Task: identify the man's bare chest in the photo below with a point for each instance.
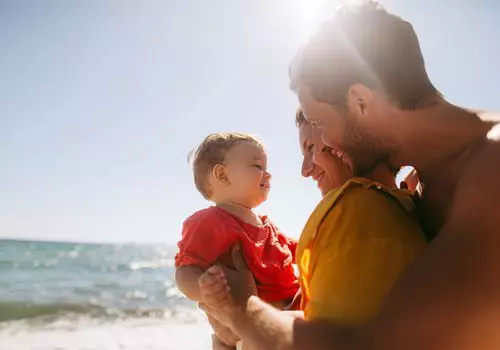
(438, 193)
(433, 208)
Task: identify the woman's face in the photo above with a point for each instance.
(318, 161)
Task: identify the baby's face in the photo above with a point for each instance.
(249, 180)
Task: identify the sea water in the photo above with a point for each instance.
(58, 296)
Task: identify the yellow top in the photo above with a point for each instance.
(353, 248)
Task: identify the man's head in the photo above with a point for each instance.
(232, 167)
(354, 74)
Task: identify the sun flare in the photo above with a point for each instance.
(310, 13)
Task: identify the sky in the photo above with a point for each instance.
(101, 102)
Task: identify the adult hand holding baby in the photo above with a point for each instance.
(226, 291)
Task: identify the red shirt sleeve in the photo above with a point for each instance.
(206, 236)
(289, 242)
(292, 244)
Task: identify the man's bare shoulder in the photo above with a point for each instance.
(485, 156)
(477, 198)
(486, 116)
(494, 133)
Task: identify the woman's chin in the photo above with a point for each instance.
(325, 189)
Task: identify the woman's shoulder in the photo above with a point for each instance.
(363, 208)
(356, 198)
(367, 193)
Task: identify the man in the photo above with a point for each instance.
(362, 80)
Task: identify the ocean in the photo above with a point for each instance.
(68, 296)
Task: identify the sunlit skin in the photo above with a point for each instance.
(242, 182)
(343, 130)
(331, 168)
(319, 162)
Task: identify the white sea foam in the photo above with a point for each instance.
(90, 334)
(151, 264)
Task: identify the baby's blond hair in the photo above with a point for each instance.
(212, 151)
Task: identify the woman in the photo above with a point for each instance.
(357, 241)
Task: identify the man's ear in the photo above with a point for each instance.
(220, 175)
(360, 99)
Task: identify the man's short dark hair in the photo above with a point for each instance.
(365, 44)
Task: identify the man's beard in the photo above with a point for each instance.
(365, 152)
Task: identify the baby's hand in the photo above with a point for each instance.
(214, 289)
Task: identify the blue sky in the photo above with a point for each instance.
(101, 101)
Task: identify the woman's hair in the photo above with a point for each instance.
(300, 118)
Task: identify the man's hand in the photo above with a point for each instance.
(225, 291)
(218, 345)
(223, 334)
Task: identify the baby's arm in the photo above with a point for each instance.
(187, 277)
(206, 236)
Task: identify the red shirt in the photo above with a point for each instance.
(209, 234)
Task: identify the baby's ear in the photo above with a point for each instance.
(219, 174)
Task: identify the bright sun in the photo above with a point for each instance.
(309, 13)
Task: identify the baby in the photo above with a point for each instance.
(230, 170)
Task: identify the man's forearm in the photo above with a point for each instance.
(263, 327)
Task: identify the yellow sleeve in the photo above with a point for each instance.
(362, 246)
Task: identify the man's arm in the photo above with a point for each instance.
(187, 277)
(448, 299)
(263, 327)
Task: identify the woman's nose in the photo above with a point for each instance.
(307, 165)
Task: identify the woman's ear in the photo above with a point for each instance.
(220, 175)
(360, 100)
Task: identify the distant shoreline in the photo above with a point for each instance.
(61, 241)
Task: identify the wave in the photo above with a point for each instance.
(12, 311)
(150, 264)
(18, 310)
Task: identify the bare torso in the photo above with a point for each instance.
(440, 185)
(450, 299)
(438, 192)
